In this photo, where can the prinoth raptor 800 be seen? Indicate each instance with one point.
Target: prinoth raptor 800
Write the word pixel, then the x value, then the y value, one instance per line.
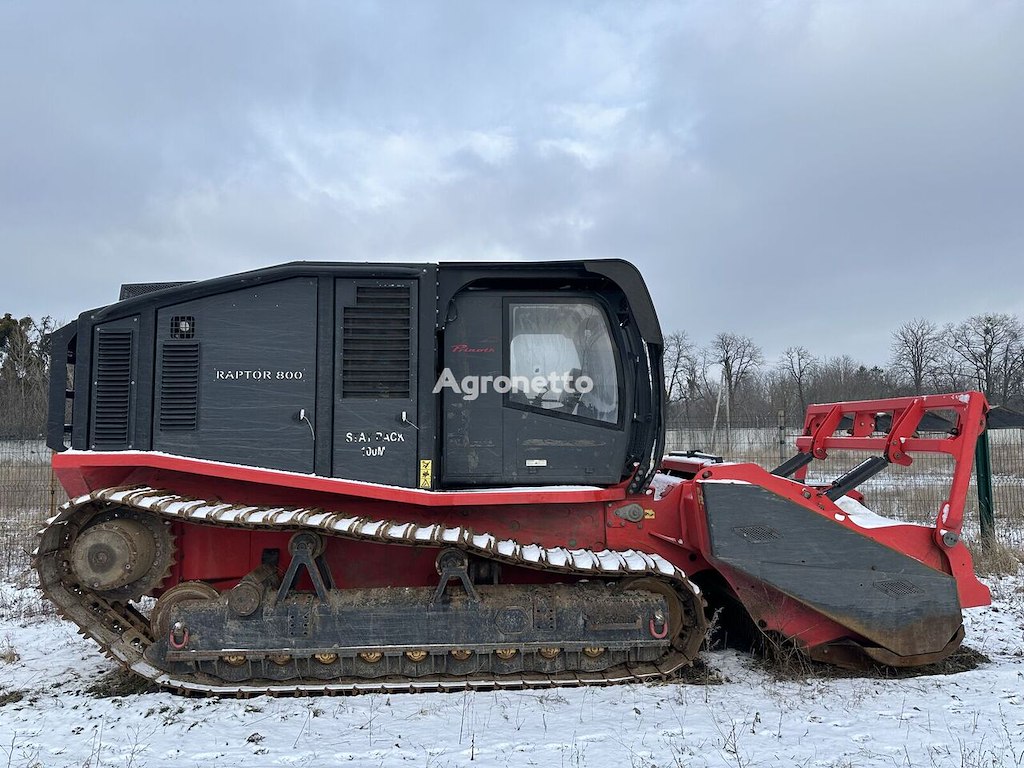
pixel 325 477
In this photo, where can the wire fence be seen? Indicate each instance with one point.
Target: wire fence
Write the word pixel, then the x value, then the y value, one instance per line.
pixel 911 494
pixel 29 493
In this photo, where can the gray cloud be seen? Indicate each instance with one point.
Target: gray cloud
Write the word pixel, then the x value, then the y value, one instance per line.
pixel 806 173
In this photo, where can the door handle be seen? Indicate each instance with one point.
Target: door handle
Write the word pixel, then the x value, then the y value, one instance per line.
pixel 301 416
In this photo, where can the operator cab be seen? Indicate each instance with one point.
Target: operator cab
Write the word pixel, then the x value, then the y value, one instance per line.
pixel 533 386
pixel 414 375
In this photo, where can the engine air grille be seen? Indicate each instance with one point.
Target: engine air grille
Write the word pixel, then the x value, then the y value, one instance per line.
pixel 179 387
pixel 183 327
pixel 113 389
pixel 376 343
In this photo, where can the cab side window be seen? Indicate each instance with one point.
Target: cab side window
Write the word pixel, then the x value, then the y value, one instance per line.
pixel 562 360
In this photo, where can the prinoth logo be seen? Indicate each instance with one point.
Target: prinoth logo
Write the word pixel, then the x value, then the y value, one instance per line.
pixel 466 349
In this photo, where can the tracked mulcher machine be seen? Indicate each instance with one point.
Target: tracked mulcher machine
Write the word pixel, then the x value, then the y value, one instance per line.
pixel 347 477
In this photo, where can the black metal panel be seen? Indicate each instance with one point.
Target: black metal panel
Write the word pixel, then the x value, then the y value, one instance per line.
pixel 145 386
pixel 428 438
pixel 323 451
pixel 257 376
pixel 894 600
pixel 113 385
pixel 179 387
pixel 82 410
pixel 60 406
pixel 631 282
pixel 471 347
pixel 542 449
pixel 375 404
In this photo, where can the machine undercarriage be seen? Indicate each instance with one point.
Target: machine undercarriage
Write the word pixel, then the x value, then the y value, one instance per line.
pixel 609 617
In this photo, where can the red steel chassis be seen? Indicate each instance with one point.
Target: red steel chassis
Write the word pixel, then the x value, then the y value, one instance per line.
pixel 673 524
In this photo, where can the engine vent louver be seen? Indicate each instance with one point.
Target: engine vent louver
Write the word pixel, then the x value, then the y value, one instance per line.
pixel 113 389
pixel 376 343
pixel 179 387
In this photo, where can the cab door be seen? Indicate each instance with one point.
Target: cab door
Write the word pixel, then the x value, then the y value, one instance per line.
pixel 536 391
pixel 564 416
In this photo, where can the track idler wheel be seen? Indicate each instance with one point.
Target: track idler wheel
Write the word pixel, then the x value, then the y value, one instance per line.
pixel 122 556
pixel 160 618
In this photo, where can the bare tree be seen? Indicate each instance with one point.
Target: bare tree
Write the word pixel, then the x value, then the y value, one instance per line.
pixel 836 379
pixel 739 357
pixel 705 382
pixel 679 360
pixel 778 391
pixel 950 374
pixel 24 375
pixel 991 347
pixel 916 351
pixel 799 366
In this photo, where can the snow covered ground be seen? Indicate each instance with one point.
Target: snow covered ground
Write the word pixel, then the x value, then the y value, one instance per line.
pixel 48 717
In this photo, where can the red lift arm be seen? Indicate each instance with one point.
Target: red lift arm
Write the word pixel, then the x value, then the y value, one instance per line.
pixel 897 446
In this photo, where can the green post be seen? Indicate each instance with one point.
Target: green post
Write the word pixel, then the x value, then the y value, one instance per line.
pixel 983 472
pixel 782 436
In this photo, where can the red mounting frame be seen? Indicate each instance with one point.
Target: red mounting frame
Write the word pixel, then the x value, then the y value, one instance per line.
pixel 898 445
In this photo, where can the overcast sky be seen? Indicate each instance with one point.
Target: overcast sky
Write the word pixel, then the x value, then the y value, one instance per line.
pixel 800 172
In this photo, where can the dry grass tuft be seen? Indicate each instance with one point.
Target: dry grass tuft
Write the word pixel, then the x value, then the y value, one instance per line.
pixel 11 697
pixel 993 558
pixel 8 654
pixel 784 662
pixel 699 673
pixel 120 682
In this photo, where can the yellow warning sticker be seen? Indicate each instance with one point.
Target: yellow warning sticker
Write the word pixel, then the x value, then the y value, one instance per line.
pixel 426 471
pixel 648 514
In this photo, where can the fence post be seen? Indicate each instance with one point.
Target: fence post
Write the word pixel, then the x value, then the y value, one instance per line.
pixel 983 473
pixel 782 435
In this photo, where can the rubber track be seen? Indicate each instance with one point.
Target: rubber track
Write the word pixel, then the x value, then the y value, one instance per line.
pixel 122 632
